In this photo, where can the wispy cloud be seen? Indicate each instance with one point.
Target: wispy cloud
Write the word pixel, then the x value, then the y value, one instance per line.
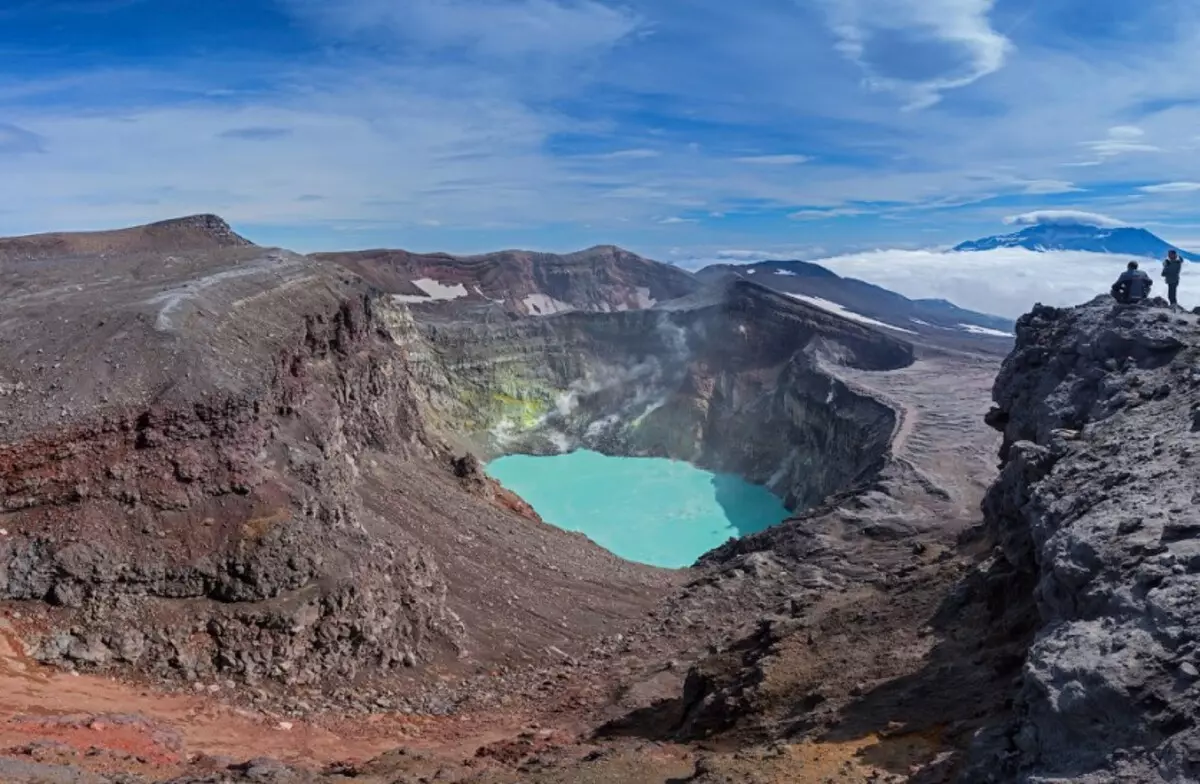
pixel 258 134
pixel 774 160
pixel 825 214
pixel 1063 218
pixel 637 154
pixel 1121 139
pixel 674 219
pixel 515 28
pixel 1171 187
pixel 918 49
pixel 1049 187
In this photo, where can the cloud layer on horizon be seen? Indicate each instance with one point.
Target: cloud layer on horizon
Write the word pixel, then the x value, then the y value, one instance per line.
pixel 1005 282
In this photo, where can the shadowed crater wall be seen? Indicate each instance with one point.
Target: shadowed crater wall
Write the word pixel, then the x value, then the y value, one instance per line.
pixel 733 379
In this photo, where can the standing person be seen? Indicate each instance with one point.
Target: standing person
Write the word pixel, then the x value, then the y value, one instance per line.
pixel 1133 286
pixel 1172 266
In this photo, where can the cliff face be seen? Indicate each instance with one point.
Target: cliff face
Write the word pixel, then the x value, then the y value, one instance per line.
pixel 216 462
pixel 730 381
pixel 602 279
pixel 1097 531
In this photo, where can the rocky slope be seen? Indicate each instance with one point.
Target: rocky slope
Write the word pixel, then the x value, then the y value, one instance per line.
pixel 192 232
pixel 1095 518
pixel 213 462
pixel 602 279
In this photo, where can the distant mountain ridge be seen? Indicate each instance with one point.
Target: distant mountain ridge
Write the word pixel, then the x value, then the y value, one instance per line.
pixel 1125 241
pixel 859 300
pixel 600 279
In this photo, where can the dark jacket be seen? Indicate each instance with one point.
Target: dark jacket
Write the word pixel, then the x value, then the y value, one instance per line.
pixel 1171 269
pixel 1136 284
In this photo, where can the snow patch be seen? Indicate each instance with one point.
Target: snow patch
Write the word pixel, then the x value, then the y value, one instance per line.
pixel 434 292
pixel 479 291
pixel 542 305
pixel 977 330
pixel 837 309
pixel 789 273
pixel 644 300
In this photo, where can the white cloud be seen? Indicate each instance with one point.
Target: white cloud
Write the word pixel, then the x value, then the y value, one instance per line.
pixel 825 214
pixel 1171 187
pixel 1126 132
pixel 1044 187
pixel 923 29
pixel 743 255
pixel 628 155
pixel 1121 139
pixel 774 160
pixel 1064 218
pixel 676 219
pixel 1005 282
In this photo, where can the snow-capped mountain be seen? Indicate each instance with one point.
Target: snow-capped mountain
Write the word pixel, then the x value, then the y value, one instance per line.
pixel 1124 240
pixel 865 302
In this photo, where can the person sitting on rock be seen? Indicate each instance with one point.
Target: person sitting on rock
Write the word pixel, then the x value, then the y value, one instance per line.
pixel 1133 286
pixel 1172 266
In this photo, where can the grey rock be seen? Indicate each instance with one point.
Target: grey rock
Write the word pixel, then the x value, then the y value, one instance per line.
pixel 1110 542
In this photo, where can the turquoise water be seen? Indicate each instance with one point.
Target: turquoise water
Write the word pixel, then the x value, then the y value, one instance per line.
pixel 647 509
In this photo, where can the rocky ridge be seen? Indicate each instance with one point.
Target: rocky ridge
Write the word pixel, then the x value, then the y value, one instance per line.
pixel 600 279
pixel 194 231
pixel 1096 524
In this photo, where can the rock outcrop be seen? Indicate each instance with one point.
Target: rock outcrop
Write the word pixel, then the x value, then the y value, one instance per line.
pixel 1097 531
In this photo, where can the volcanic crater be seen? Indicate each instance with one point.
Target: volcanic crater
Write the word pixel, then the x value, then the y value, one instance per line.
pixel 244 470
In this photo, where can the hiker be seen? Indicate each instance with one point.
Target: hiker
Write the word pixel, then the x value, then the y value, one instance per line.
pixel 1133 286
pixel 1172 266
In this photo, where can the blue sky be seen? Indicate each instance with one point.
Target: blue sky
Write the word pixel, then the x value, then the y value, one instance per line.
pixel 677 129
